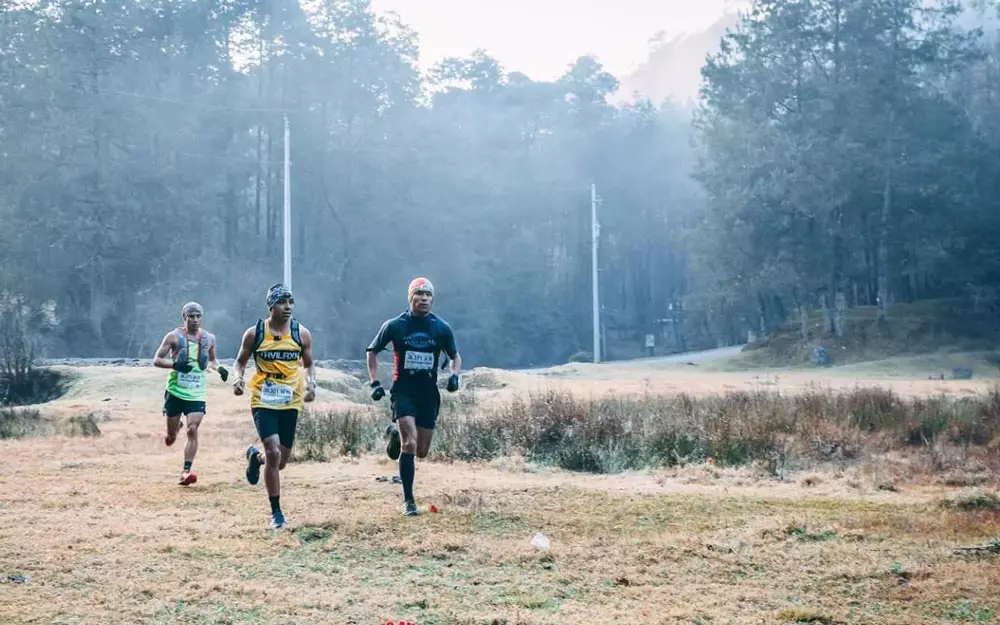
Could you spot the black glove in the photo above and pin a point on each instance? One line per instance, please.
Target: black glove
(378, 392)
(223, 373)
(453, 383)
(182, 366)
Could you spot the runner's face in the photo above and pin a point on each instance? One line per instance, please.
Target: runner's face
(193, 321)
(422, 302)
(282, 309)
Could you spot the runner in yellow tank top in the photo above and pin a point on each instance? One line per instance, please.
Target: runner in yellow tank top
(280, 347)
(189, 352)
(277, 382)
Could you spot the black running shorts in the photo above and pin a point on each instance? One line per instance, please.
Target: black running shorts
(174, 406)
(281, 422)
(423, 406)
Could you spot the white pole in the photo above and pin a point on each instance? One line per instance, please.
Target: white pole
(288, 209)
(595, 237)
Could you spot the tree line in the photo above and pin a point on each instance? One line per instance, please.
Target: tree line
(842, 151)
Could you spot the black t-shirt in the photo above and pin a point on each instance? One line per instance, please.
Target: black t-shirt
(417, 345)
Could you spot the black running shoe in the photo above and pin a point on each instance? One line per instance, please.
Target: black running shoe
(253, 465)
(393, 447)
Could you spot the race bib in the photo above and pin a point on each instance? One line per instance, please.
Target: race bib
(418, 361)
(190, 381)
(275, 394)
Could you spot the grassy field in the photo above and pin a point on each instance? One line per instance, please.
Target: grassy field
(96, 530)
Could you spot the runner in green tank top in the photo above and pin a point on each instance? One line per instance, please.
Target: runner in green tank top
(189, 352)
(188, 386)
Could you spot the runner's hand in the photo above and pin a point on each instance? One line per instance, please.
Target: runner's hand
(238, 386)
(453, 383)
(182, 366)
(310, 392)
(223, 373)
(377, 391)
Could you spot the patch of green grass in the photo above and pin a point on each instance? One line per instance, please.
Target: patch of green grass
(964, 610)
(974, 501)
(310, 534)
(800, 532)
(799, 615)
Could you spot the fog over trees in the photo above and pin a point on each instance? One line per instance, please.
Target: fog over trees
(844, 153)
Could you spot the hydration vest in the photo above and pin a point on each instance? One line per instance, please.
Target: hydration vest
(202, 346)
(259, 334)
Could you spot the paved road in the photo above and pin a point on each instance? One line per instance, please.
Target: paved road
(684, 357)
(698, 357)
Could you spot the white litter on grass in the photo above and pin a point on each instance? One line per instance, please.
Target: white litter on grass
(540, 542)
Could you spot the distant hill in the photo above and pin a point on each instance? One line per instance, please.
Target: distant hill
(673, 69)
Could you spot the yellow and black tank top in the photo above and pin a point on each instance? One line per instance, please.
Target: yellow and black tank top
(277, 382)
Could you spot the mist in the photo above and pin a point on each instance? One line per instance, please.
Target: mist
(841, 154)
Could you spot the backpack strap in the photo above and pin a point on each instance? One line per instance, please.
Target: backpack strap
(258, 337)
(203, 349)
(259, 333)
(182, 343)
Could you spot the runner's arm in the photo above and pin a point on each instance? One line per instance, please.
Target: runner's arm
(372, 366)
(307, 357)
(381, 340)
(243, 356)
(162, 357)
(213, 364)
(452, 350)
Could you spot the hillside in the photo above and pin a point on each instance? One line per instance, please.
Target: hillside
(923, 327)
(673, 69)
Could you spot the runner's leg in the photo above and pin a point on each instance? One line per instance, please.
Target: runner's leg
(173, 425)
(268, 427)
(424, 438)
(408, 449)
(173, 414)
(191, 447)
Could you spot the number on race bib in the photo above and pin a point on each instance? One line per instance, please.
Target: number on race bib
(191, 380)
(275, 394)
(418, 361)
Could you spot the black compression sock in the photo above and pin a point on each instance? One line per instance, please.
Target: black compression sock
(406, 471)
(275, 507)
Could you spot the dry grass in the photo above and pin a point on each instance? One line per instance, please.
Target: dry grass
(773, 432)
(107, 537)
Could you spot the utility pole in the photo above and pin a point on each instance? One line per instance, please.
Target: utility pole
(288, 209)
(595, 229)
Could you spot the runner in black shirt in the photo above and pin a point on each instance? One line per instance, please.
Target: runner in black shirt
(418, 337)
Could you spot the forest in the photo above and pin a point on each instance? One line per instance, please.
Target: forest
(842, 154)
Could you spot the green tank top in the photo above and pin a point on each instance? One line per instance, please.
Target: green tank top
(189, 386)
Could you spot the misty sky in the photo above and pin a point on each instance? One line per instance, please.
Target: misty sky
(542, 37)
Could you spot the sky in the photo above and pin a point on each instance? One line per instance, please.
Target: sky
(541, 38)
